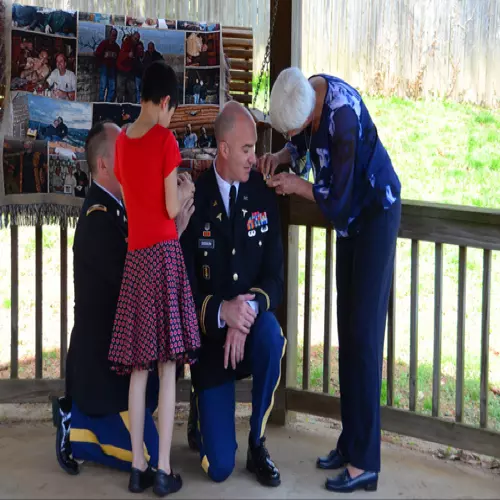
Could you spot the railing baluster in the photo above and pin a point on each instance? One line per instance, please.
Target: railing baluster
(414, 324)
(459, 405)
(14, 301)
(328, 310)
(438, 299)
(485, 339)
(307, 308)
(38, 301)
(391, 338)
(64, 297)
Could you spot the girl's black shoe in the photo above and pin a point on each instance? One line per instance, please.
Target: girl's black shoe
(141, 480)
(165, 484)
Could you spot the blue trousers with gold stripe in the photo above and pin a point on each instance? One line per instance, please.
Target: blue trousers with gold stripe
(216, 405)
(106, 440)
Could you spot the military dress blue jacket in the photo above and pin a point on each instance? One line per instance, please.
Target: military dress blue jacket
(229, 256)
(352, 169)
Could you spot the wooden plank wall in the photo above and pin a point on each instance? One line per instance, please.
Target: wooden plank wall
(238, 48)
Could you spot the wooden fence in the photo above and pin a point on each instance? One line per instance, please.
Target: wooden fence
(438, 223)
(442, 48)
(445, 48)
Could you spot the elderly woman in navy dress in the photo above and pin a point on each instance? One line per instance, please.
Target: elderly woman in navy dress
(356, 188)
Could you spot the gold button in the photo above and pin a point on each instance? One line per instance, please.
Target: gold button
(234, 251)
(235, 276)
(118, 212)
(260, 243)
(205, 253)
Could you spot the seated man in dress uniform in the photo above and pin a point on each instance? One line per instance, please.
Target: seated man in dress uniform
(92, 418)
(234, 256)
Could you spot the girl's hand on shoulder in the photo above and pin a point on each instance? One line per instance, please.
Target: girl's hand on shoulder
(185, 186)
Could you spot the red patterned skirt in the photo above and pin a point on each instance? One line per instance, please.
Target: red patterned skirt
(156, 316)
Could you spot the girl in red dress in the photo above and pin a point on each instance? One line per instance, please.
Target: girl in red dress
(155, 319)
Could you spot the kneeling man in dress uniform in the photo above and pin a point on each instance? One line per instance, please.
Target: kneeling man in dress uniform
(92, 418)
(234, 255)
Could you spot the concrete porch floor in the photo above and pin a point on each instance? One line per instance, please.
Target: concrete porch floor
(28, 469)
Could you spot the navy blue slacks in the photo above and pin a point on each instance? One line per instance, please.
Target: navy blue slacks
(365, 266)
(216, 430)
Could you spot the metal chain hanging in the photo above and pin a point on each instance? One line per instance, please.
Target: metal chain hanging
(266, 63)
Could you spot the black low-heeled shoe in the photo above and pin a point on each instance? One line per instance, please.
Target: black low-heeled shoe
(141, 480)
(344, 483)
(165, 484)
(334, 460)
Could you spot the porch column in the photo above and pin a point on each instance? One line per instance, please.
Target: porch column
(286, 51)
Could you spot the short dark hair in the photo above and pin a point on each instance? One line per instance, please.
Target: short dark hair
(159, 81)
(94, 144)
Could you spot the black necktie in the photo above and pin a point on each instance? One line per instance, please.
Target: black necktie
(232, 199)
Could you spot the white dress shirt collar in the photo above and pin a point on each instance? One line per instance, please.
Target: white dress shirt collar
(110, 194)
(224, 188)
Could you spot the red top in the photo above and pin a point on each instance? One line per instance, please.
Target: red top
(141, 165)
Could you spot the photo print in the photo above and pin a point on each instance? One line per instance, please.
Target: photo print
(202, 49)
(195, 167)
(43, 64)
(121, 114)
(68, 172)
(112, 59)
(193, 128)
(20, 116)
(197, 26)
(44, 20)
(95, 17)
(167, 24)
(202, 86)
(65, 123)
(141, 22)
(25, 166)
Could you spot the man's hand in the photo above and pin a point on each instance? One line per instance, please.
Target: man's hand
(184, 215)
(238, 314)
(234, 347)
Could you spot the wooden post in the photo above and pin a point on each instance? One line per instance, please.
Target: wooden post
(281, 58)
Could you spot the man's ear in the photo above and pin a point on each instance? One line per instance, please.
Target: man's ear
(101, 165)
(224, 149)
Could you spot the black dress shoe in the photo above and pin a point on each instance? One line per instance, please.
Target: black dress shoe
(165, 484)
(192, 423)
(334, 460)
(61, 418)
(141, 480)
(344, 483)
(260, 463)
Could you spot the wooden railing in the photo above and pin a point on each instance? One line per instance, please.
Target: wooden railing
(440, 224)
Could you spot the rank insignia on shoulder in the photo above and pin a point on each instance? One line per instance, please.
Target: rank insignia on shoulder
(206, 272)
(97, 207)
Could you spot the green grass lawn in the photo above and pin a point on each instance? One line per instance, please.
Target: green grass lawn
(443, 152)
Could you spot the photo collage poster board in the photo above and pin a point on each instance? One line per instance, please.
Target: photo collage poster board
(69, 70)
